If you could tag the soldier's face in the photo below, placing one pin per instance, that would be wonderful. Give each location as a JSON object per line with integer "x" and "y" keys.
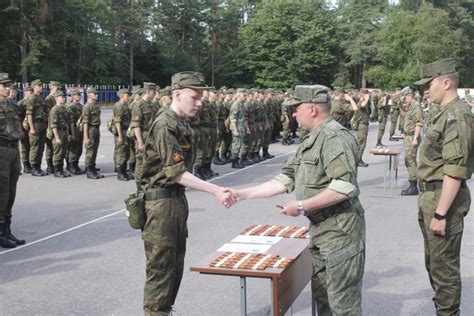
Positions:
{"x": 60, "y": 100}
{"x": 435, "y": 90}
{"x": 303, "y": 114}
{"x": 38, "y": 88}
{"x": 4, "y": 90}
{"x": 189, "y": 101}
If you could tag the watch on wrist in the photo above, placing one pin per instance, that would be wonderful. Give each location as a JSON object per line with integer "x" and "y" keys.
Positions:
{"x": 301, "y": 209}
{"x": 439, "y": 216}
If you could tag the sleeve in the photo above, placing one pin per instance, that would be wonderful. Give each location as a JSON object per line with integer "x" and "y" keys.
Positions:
{"x": 53, "y": 118}
{"x": 136, "y": 116}
{"x": 456, "y": 148}
{"x": 86, "y": 115}
{"x": 29, "y": 106}
{"x": 287, "y": 174}
{"x": 418, "y": 115}
{"x": 234, "y": 112}
{"x": 171, "y": 153}
{"x": 117, "y": 113}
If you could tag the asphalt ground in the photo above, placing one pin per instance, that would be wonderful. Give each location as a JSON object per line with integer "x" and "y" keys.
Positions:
{"x": 83, "y": 258}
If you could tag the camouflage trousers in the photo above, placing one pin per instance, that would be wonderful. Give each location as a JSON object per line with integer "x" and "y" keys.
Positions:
{"x": 267, "y": 137}
{"x": 286, "y": 127}
{"x": 93, "y": 147}
{"x": 122, "y": 151}
{"x": 9, "y": 174}
{"x": 442, "y": 254}
{"x": 37, "y": 144}
{"x": 203, "y": 145}
{"x": 362, "y": 132}
{"x": 247, "y": 140}
{"x": 410, "y": 156}
{"x": 382, "y": 124}
{"x": 211, "y": 145}
{"x": 254, "y": 139}
{"x": 393, "y": 121}
{"x": 49, "y": 150}
{"x": 337, "y": 249}
{"x": 220, "y": 134}
{"x": 75, "y": 147}
{"x": 164, "y": 237}
{"x": 131, "y": 157}
{"x": 25, "y": 147}
{"x": 401, "y": 122}
{"x": 236, "y": 144}
{"x": 60, "y": 150}
{"x": 226, "y": 143}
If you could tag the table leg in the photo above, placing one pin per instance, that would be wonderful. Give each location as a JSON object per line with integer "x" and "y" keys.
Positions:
{"x": 243, "y": 296}
{"x": 313, "y": 306}
{"x": 390, "y": 173}
{"x": 385, "y": 184}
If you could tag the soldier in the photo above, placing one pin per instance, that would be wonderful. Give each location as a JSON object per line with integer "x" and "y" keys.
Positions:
{"x": 323, "y": 174}
{"x": 91, "y": 130}
{"x": 165, "y": 100}
{"x": 362, "y": 117}
{"x": 469, "y": 98}
{"x": 36, "y": 116}
{"x": 74, "y": 109}
{"x": 286, "y": 119}
{"x": 59, "y": 123}
{"x": 137, "y": 92}
{"x": 54, "y": 87}
{"x": 204, "y": 134}
{"x": 412, "y": 128}
{"x": 394, "y": 113}
{"x": 143, "y": 114}
{"x": 156, "y": 99}
{"x": 212, "y": 134}
{"x": 122, "y": 118}
{"x": 168, "y": 159}
{"x": 269, "y": 120}
{"x": 249, "y": 120}
{"x": 10, "y": 133}
{"x": 25, "y": 140}
{"x": 446, "y": 162}
{"x": 342, "y": 104}
{"x": 225, "y": 147}
{"x": 382, "y": 118}
{"x": 13, "y": 94}
{"x": 221, "y": 118}
{"x": 236, "y": 118}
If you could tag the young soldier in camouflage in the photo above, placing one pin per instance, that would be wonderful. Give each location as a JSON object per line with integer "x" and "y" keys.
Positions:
{"x": 50, "y": 100}
{"x": 25, "y": 140}
{"x": 446, "y": 162}
{"x": 91, "y": 129}
{"x": 59, "y": 123}
{"x": 74, "y": 109}
{"x": 36, "y": 116}
{"x": 168, "y": 159}
{"x": 122, "y": 118}
{"x": 323, "y": 174}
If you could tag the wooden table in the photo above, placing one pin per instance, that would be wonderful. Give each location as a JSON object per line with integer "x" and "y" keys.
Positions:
{"x": 286, "y": 284}
{"x": 389, "y": 153}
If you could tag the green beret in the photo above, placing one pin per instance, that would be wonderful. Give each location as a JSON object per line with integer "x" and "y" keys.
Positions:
{"x": 436, "y": 69}
{"x": 36, "y": 82}
{"x": 4, "y": 78}
{"x": 188, "y": 79}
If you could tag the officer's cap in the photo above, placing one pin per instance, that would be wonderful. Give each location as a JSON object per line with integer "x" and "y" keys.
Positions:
{"x": 436, "y": 69}
{"x": 188, "y": 79}
{"x": 309, "y": 94}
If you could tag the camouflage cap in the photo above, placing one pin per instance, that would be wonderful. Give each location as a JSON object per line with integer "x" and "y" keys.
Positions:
{"x": 14, "y": 87}
{"x": 436, "y": 69}
{"x": 55, "y": 83}
{"x": 166, "y": 91}
{"x": 123, "y": 91}
{"x": 269, "y": 90}
{"x": 29, "y": 88}
{"x": 310, "y": 94}
{"x": 91, "y": 90}
{"x": 188, "y": 79}
{"x": 36, "y": 82}
{"x": 241, "y": 90}
{"x": 404, "y": 92}
{"x": 58, "y": 93}
{"x": 4, "y": 78}
{"x": 149, "y": 86}
{"x": 230, "y": 91}
{"x": 74, "y": 92}
{"x": 137, "y": 90}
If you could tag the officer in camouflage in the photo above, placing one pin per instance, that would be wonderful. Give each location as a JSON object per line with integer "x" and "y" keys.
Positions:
{"x": 10, "y": 133}
{"x": 323, "y": 174}
{"x": 446, "y": 162}
{"x": 168, "y": 159}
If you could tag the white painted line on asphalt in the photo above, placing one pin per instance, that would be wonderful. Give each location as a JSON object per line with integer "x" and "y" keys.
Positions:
{"x": 117, "y": 212}
{"x": 62, "y": 233}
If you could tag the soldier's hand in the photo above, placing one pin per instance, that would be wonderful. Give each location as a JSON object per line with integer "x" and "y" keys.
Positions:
{"x": 119, "y": 141}
{"x": 438, "y": 227}
{"x": 236, "y": 134}
{"x": 32, "y": 131}
{"x": 141, "y": 146}
{"x": 57, "y": 140}
{"x": 414, "y": 143}
{"x": 87, "y": 141}
{"x": 291, "y": 209}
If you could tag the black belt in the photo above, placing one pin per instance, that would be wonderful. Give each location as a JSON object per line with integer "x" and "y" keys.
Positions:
{"x": 63, "y": 129}
{"x": 96, "y": 126}
{"x": 409, "y": 134}
{"x": 8, "y": 143}
{"x": 435, "y": 185}
{"x": 164, "y": 193}
{"x": 328, "y": 212}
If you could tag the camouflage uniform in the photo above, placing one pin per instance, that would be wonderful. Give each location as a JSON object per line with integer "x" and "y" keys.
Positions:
{"x": 338, "y": 111}
{"x": 447, "y": 150}
{"x": 413, "y": 118}
{"x": 382, "y": 117}
{"x": 123, "y": 116}
{"x": 327, "y": 158}
{"x": 74, "y": 110}
{"x": 36, "y": 107}
{"x": 49, "y": 150}
{"x": 24, "y": 141}
{"x": 59, "y": 120}
{"x": 362, "y": 118}
{"x": 237, "y": 115}
{"x": 91, "y": 118}
{"x": 394, "y": 113}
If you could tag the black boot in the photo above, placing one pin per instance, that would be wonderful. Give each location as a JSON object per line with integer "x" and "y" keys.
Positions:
{"x": 236, "y": 164}
{"x": 217, "y": 160}
{"x": 9, "y": 235}
{"x": 5, "y": 242}
{"x": 363, "y": 164}
{"x": 212, "y": 172}
{"x": 91, "y": 173}
{"x": 266, "y": 154}
{"x": 379, "y": 144}
{"x": 198, "y": 172}
{"x": 36, "y": 171}
{"x": 284, "y": 142}
{"x": 65, "y": 172}
{"x": 50, "y": 168}
{"x": 57, "y": 172}
{"x": 244, "y": 161}
{"x": 412, "y": 189}
{"x": 122, "y": 173}
{"x": 257, "y": 156}
{"x": 96, "y": 170}
{"x": 69, "y": 167}
{"x": 27, "y": 167}
{"x": 206, "y": 171}
{"x": 76, "y": 169}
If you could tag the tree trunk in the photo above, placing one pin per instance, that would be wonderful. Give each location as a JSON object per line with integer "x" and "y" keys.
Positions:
{"x": 23, "y": 44}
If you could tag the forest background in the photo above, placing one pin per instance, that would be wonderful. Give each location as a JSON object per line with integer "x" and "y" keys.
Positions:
{"x": 238, "y": 43}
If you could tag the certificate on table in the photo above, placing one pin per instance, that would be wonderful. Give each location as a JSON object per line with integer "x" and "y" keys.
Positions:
{"x": 251, "y": 239}
{"x": 248, "y": 248}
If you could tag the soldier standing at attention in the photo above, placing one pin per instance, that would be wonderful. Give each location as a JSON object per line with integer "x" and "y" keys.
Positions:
{"x": 74, "y": 109}
{"x": 236, "y": 118}
{"x": 286, "y": 119}
{"x": 122, "y": 118}
{"x": 10, "y": 134}
{"x": 25, "y": 140}
{"x": 446, "y": 162}
{"x": 382, "y": 113}
{"x": 165, "y": 99}
{"x": 268, "y": 108}
{"x": 168, "y": 159}
{"x": 212, "y": 134}
{"x": 36, "y": 116}
{"x": 394, "y": 112}
{"x": 91, "y": 129}
{"x": 469, "y": 98}
{"x": 362, "y": 117}
{"x": 413, "y": 126}
{"x": 137, "y": 92}
{"x": 323, "y": 174}
{"x": 50, "y": 100}
{"x": 59, "y": 123}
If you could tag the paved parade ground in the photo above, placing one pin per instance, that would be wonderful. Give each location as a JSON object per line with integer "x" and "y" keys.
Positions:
{"x": 82, "y": 257}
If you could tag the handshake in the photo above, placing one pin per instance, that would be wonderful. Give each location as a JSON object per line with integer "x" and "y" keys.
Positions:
{"x": 227, "y": 196}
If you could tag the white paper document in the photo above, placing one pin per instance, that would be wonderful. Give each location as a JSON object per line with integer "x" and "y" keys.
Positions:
{"x": 249, "y": 248}
{"x": 266, "y": 240}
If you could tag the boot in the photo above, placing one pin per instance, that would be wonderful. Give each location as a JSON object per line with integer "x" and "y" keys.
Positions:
{"x": 131, "y": 170}
{"x": 244, "y": 161}
{"x": 12, "y": 237}
{"x": 206, "y": 172}
{"x": 252, "y": 158}
{"x": 363, "y": 164}
{"x": 379, "y": 144}
{"x": 91, "y": 173}
{"x": 36, "y": 171}
{"x": 100, "y": 176}
{"x": 75, "y": 168}
{"x": 412, "y": 189}
{"x": 266, "y": 154}
{"x": 284, "y": 142}
{"x": 257, "y": 156}
{"x": 198, "y": 172}
{"x": 122, "y": 173}
{"x": 236, "y": 164}
{"x": 212, "y": 172}
{"x": 217, "y": 160}
{"x": 69, "y": 166}
{"x": 290, "y": 141}
{"x": 50, "y": 168}
{"x": 65, "y": 172}
{"x": 57, "y": 172}
{"x": 5, "y": 242}
{"x": 27, "y": 167}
